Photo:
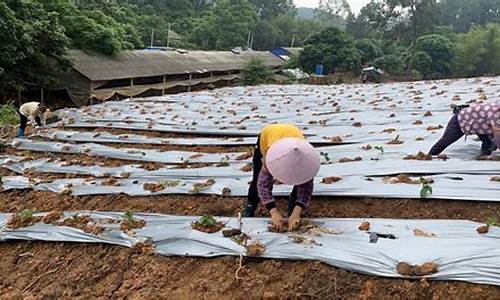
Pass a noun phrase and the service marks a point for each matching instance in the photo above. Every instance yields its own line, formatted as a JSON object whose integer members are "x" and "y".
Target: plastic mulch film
{"x": 389, "y": 248}
{"x": 449, "y": 186}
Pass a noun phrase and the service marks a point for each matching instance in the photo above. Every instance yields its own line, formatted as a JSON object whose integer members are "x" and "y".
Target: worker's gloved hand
{"x": 294, "y": 220}
{"x": 276, "y": 219}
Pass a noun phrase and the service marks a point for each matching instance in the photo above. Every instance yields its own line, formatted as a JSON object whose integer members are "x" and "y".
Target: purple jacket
{"x": 265, "y": 184}
{"x": 480, "y": 119}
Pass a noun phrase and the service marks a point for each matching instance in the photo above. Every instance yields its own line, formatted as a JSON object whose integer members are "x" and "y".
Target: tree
{"x": 226, "y": 25}
{"x": 477, "y": 52}
{"x": 31, "y": 37}
{"x": 332, "y": 48}
{"x": 333, "y": 12}
{"x": 270, "y": 9}
{"x": 368, "y": 50}
{"x": 414, "y": 17}
{"x": 461, "y": 15}
{"x": 392, "y": 63}
{"x": 439, "y": 50}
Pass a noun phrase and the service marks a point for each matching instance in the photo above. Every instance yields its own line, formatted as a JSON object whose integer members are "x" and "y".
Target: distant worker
{"x": 35, "y": 112}
{"x": 282, "y": 153}
{"x": 480, "y": 119}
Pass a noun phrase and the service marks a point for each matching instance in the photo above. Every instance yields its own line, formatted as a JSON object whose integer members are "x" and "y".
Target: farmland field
{"x": 167, "y": 160}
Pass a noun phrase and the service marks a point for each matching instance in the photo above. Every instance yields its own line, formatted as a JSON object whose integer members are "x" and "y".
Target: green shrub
{"x": 256, "y": 73}
{"x": 8, "y": 115}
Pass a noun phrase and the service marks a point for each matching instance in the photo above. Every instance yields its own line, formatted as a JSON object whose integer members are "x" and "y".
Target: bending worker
{"x": 35, "y": 112}
{"x": 283, "y": 154}
{"x": 481, "y": 119}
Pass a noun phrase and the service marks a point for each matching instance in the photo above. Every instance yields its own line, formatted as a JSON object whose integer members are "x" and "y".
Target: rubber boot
{"x": 20, "y": 133}
{"x": 250, "y": 210}
{"x": 291, "y": 201}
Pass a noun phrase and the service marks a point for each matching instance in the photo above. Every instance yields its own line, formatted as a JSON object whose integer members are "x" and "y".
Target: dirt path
{"x": 56, "y": 270}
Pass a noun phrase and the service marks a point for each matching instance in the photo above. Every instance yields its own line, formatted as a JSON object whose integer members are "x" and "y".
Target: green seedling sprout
{"x": 380, "y": 148}
{"x": 26, "y": 214}
{"x": 426, "y": 189}
{"x": 129, "y": 216}
{"x": 492, "y": 222}
{"x": 207, "y": 221}
{"x": 325, "y": 155}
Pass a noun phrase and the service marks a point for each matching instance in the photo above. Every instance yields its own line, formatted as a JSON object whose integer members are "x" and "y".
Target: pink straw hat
{"x": 292, "y": 161}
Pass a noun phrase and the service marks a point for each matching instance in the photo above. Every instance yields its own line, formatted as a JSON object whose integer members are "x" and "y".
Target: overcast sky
{"x": 356, "y": 5}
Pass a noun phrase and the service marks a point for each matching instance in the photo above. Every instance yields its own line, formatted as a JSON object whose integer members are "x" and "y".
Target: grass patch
{"x": 8, "y": 115}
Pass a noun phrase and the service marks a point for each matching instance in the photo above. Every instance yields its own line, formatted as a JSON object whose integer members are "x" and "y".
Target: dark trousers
{"x": 253, "y": 199}
{"x": 453, "y": 133}
{"x": 23, "y": 121}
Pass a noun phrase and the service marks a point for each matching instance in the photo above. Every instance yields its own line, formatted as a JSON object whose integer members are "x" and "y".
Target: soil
{"x": 205, "y": 228}
{"x": 52, "y": 217}
{"x": 403, "y": 178}
{"x": 495, "y": 178}
{"x": 395, "y": 141}
{"x": 348, "y": 159}
{"x": 491, "y": 158}
{"x": 330, "y": 179}
{"x": 483, "y": 229}
{"x": 365, "y": 226}
{"x": 432, "y": 128}
{"x": 82, "y": 222}
{"x": 231, "y": 232}
{"x": 420, "y": 156}
{"x": 247, "y": 168}
{"x": 19, "y": 221}
{"x": 422, "y": 233}
{"x": 85, "y": 270}
{"x": 153, "y": 187}
{"x": 130, "y": 224}
{"x": 255, "y": 249}
{"x": 103, "y": 271}
{"x": 406, "y": 269}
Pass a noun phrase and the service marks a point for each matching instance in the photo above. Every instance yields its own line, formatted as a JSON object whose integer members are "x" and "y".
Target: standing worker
{"x": 481, "y": 119}
{"x": 282, "y": 153}
{"x": 35, "y": 112}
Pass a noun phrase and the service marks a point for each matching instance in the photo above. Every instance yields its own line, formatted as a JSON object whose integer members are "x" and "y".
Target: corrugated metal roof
{"x": 145, "y": 63}
{"x": 293, "y": 51}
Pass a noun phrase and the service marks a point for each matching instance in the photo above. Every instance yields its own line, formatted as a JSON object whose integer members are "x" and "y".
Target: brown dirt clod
{"x": 483, "y": 229}
{"x": 255, "y": 249}
{"x": 365, "y": 226}
{"x": 83, "y": 223}
{"x": 207, "y": 229}
{"x": 406, "y": 269}
{"x": 18, "y": 221}
{"x": 330, "y": 179}
{"x": 419, "y": 156}
{"x": 347, "y": 159}
{"x": 153, "y": 187}
{"x": 52, "y": 217}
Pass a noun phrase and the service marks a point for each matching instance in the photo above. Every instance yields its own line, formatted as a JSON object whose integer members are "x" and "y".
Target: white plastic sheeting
{"x": 449, "y": 186}
{"x": 458, "y": 250}
{"x": 358, "y": 114}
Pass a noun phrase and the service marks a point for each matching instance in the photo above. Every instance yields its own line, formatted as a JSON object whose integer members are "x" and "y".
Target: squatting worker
{"x": 482, "y": 119}
{"x": 282, "y": 153}
{"x": 35, "y": 112}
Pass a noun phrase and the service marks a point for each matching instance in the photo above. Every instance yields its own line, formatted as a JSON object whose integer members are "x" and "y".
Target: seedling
{"x": 26, "y": 214}
{"x": 325, "y": 156}
{"x": 129, "y": 222}
{"x": 492, "y": 222}
{"x": 207, "y": 224}
{"x": 426, "y": 189}
{"x": 380, "y": 148}
{"x": 23, "y": 219}
{"x": 207, "y": 220}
